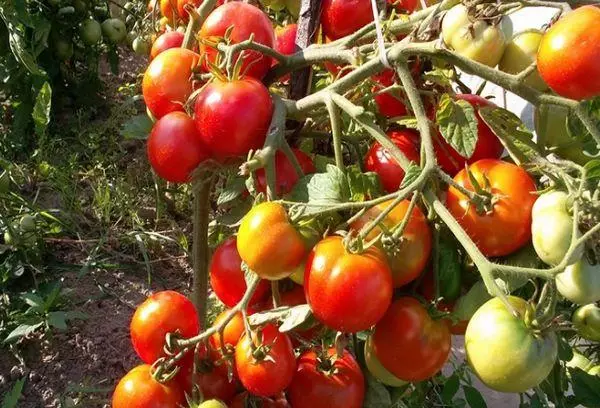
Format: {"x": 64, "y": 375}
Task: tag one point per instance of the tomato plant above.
{"x": 285, "y": 173}
{"x": 170, "y": 39}
{"x": 586, "y": 320}
{"x": 137, "y": 389}
{"x": 340, "y": 18}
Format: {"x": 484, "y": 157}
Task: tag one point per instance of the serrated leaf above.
{"x": 138, "y": 127}
{"x": 592, "y": 174}
{"x": 363, "y": 186}
{"x": 449, "y": 270}
{"x": 41, "y": 109}
{"x": 22, "y": 331}
{"x": 11, "y": 399}
{"x": 585, "y": 387}
{"x": 577, "y": 129}
{"x": 439, "y": 76}
{"x": 233, "y": 189}
{"x": 322, "y": 189}
{"x": 410, "y": 175}
{"x": 58, "y": 320}
{"x": 450, "y": 389}
{"x": 474, "y": 397}
{"x": 289, "y": 317}
{"x": 376, "y": 395}
{"x": 565, "y": 351}
{"x": 458, "y": 124}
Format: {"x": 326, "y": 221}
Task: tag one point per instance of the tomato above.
{"x": 340, "y": 18}
{"x": 380, "y": 161}
{"x": 285, "y": 173}
{"x": 268, "y": 243}
{"x": 233, "y": 117}
{"x": 245, "y": 400}
{"x": 520, "y": 53}
{"x": 170, "y": 39}
{"x": 215, "y": 384}
{"x": 505, "y": 353}
{"x": 163, "y": 312}
{"x": 408, "y": 343}
{"x": 270, "y": 373}
{"x": 377, "y": 370}
{"x": 183, "y": 14}
{"x": 137, "y": 389}
{"x": 569, "y": 55}
{"x": 477, "y": 40}
{"x": 166, "y": 85}
{"x": 389, "y": 104}
{"x": 140, "y": 46}
{"x": 247, "y": 20}
{"x": 63, "y": 49}
{"x": 338, "y": 284}
{"x": 409, "y": 258}
{"x": 234, "y": 330}
{"x": 403, "y": 6}
{"x": 227, "y": 278}
{"x": 285, "y": 39}
{"x": 213, "y": 403}
{"x": 580, "y": 282}
{"x": 552, "y": 227}
{"x": 114, "y": 30}
{"x": 507, "y": 226}
{"x": 586, "y": 320}
{"x": 335, "y": 382}
{"x": 488, "y": 146}
{"x": 90, "y": 31}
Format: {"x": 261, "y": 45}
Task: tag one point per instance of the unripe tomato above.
{"x": 114, "y": 30}
{"x": 162, "y": 313}
{"x": 586, "y": 320}
{"x": 227, "y": 278}
{"x": 246, "y": 20}
{"x": 340, "y": 18}
{"x": 137, "y": 389}
{"x": 507, "y": 226}
{"x": 580, "y": 282}
{"x": 170, "y": 39}
{"x": 166, "y": 85}
{"x": 380, "y": 161}
{"x": 409, "y": 258}
{"x": 520, "y": 53}
{"x": 569, "y": 55}
{"x": 233, "y": 117}
{"x": 268, "y": 243}
{"x": 474, "y": 39}
{"x": 408, "y": 343}
{"x": 27, "y": 223}
{"x": 377, "y": 370}
{"x": 338, "y": 284}
{"x": 285, "y": 173}
{"x": 90, "y": 31}
{"x": 63, "y": 49}
{"x": 506, "y": 354}
{"x": 140, "y": 46}
{"x": 213, "y": 403}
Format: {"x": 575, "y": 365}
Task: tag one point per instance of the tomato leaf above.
{"x": 22, "y": 331}
{"x": 58, "y": 320}
{"x": 41, "y": 109}
{"x": 458, "y": 124}
{"x": 322, "y": 189}
{"x": 362, "y": 185}
{"x": 592, "y": 171}
{"x": 474, "y": 397}
{"x": 565, "y": 351}
{"x": 586, "y": 388}
{"x": 376, "y": 395}
{"x": 577, "y": 129}
{"x": 11, "y": 398}
{"x": 466, "y": 305}
{"x": 450, "y": 388}
{"x": 449, "y": 269}
{"x": 289, "y": 317}
{"x": 411, "y": 175}
{"x": 138, "y": 127}
{"x": 234, "y": 186}
{"x": 409, "y": 122}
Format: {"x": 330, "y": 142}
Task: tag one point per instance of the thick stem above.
{"x": 200, "y": 251}
{"x": 336, "y": 131}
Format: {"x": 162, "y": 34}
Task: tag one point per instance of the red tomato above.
{"x": 139, "y": 390}
{"x": 183, "y": 14}
{"x": 387, "y": 103}
{"x": 175, "y": 148}
{"x": 168, "y": 11}
{"x": 246, "y": 20}
{"x": 380, "y": 161}
{"x": 162, "y": 313}
{"x": 245, "y": 400}
{"x": 340, "y": 18}
{"x": 171, "y": 39}
{"x": 403, "y": 6}
{"x": 227, "y": 278}
{"x": 215, "y": 385}
{"x": 285, "y": 174}
{"x": 285, "y": 39}
{"x": 267, "y": 376}
{"x": 568, "y": 58}
{"x": 507, "y": 227}
{"x": 335, "y": 383}
{"x": 231, "y": 336}
{"x": 408, "y": 343}
{"x": 338, "y": 284}
{"x": 167, "y": 82}
{"x": 233, "y": 117}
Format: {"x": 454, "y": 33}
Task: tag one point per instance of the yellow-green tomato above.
{"x": 90, "y": 31}
{"x": 520, "y": 53}
{"x": 377, "y": 370}
{"x": 213, "y": 403}
{"x": 505, "y": 353}
{"x": 474, "y": 39}
{"x": 579, "y": 361}
{"x": 114, "y": 30}
{"x": 140, "y": 46}
{"x": 586, "y": 320}
{"x": 580, "y": 282}
{"x": 27, "y": 223}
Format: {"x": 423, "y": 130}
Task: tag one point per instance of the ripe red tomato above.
{"x": 246, "y": 20}
{"x": 507, "y": 227}
{"x": 338, "y": 382}
{"x": 168, "y": 11}
{"x": 267, "y": 376}
{"x": 403, "y": 6}
{"x": 338, "y": 284}
{"x": 409, "y": 343}
{"x": 137, "y": 389}
{"x": 340, "y": 18}
{"x": 163, "y": 312}
{"x": 285, "y": 174}
{"x": 175, "y": 148}
{"x": 167, "y": 81}
{"x": 568, "y": 58}
{"x": 227, "y": 278}
{"x": 245, "y": 400}
{"x": 285, "y": 39}
{"x": 380, "y": 161}
{"x": 488, "y": 146}
{"x": 233, "y": 117}
{"x": 170, "y": 39}
{"x": 387, "y": 103}
{"x": 214, "y": 384}
{"x": 231, "y": 336}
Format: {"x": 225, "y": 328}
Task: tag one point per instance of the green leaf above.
{"x": 579, "y": 132}
{"x": 289, "y": 317}
{"x": 376, "y": 395}
{"x": 233, "y": 189}
{"x": 458, "y": 124}
{"x": 411, "y": 175}
{"x": 449, "y": 269}
{"x": 16, "y": 38}
{"x": 138, "y": 127}
{"x": 322, "y": 189}
{"x": 565, "y": 351}
{"x": 22, "y": 331}
{"x": 450, "y": 389}
{"x": 11, "y": 398}
{"x": 41, "y": 109}
{"x": 511, "y": 131}
{"x": 363, "y": 186}
{"x": 58, "y": 320}
{"x": 592, "y": 171}
{"x": 33, "y": 300}
{"x": 409, "y": 122}
{"x": 474, "y": 397}
{"x": 585, "y": 387}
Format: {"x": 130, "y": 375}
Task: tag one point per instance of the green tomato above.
{"x": 63, "y": 49}
{"x": 81, "y": 6}
{"x": 477, "y": 40}
{"x": 27, "y": 223}
{"x": 520, "y": 53}
{"x": 466, "y": 305}
{"x": 580, "y": 282}
{"x": 90, "y": 31}
{"x": 4, "y": 182}
{"x": 505, "y": 353}
{"x": 594, "y": 371}
{"x": 213, "y": 403}
{"x": 141, "y": 46}
{"x": 586, "y": 320}
{"x": 552, "y": 227}
{"x": 293, "y": 7}
{"x": 114, "y": 30}
{"x": 579, "y": 361}
{"x": 377, "y": 369}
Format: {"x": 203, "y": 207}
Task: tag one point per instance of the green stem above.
{"x": 336, "y": 131}
{"x": 399, "y": 229}
{"x": 200, "y": 251}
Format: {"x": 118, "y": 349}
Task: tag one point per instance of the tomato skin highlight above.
{"x": 168, "y": 40}
{"x": 285, "y": 173}
{"x": 408, "y": 343}
{"x": 137, "y": 389}
{"x": 313, "y": 388}
{"x": 338, "y": 283}
{"x": 568, "y": 58}
{"x": 340, "y": 18}
{"x": 227, "y": 278}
